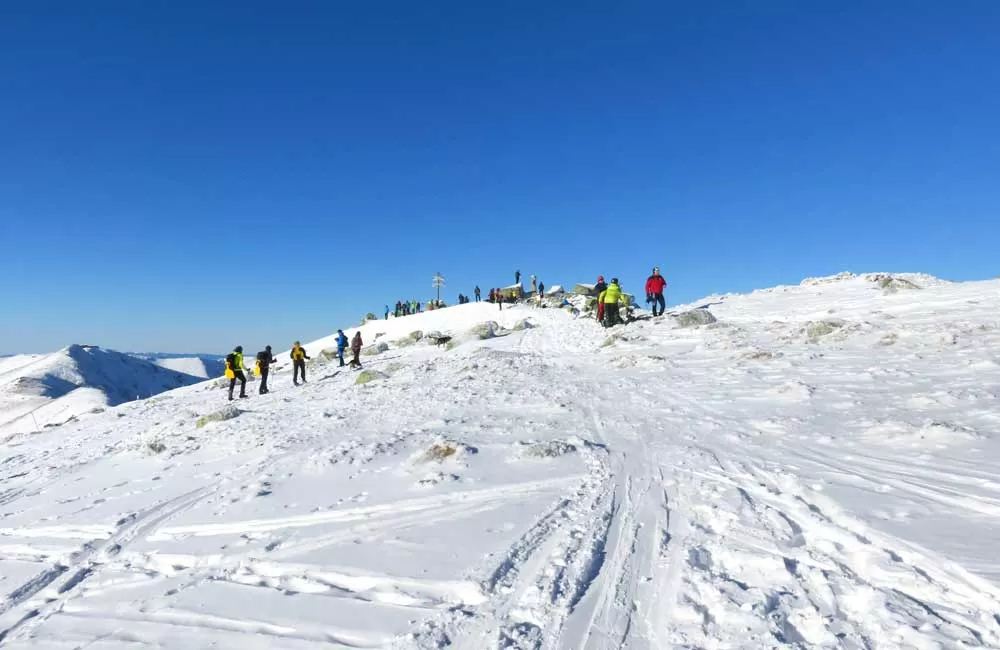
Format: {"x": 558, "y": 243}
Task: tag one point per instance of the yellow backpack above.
{"x": 256, "y": 370}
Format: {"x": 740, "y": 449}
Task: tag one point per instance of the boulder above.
{"x": 366, "y": 376}
{"x": 376, "y": 348}
{"x": 816, "y": 330}
{"x": 694, "y": 318}
{"x": 523, "y": 324}
{"x": 484, "y": 331}
{"x": 221, "y": 415}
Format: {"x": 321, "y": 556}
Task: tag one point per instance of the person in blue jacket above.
{"x": 341, "y": 345}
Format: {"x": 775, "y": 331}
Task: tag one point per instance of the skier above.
{"x": 599, "y": 289}
{"x": 655, "y": 285}
{"x": 341, "y": 346}
{"x": 611, "y": 297}
{"x": 299, "y": 357}
{"x": 235, "y": 370}
{"x": 476, "y": 292}
{"x": 356, "y": 344}
{"x": 264, "y": 361}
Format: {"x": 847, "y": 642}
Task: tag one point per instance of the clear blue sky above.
{"x": 186, "y": 176}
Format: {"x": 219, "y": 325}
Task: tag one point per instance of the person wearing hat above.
{"x": 655, "y": 285}
{"x": 299, "y": 357}
{"x": 611, "y": 297}
{"x": 341, "y": 346}
{"x": 600, "y": 288}
{"x": 264, "y": 361}
{"x": 235, "y": 370}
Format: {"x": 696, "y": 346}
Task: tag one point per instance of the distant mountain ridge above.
{"x": 39, "y": 390}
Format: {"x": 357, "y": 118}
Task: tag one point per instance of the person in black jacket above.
{"x": 264, "y": 361}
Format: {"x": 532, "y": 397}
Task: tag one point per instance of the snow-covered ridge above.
{"x": 815, "y": 469}
{"x": 37, "y": 391}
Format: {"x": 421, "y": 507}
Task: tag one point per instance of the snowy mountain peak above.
{"x": 41, "y": 390}
{"x": 812, "y": 467}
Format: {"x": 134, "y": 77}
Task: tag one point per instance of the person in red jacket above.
{"x": 655, "y": 285}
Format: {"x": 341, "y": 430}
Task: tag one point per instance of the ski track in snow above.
{"x": 759, "y": 483}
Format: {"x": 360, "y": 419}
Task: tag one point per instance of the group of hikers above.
{"x": 407, "y": 307}
{"x": 236, "y": 370}
{"x": 610, "y": 299}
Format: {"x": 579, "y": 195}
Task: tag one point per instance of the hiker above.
{"x": 599, "y": 289}
{"x": 387, "y": 312}
{"x": 492, "y": 296}
{"x": 264, "y": 361}
{"x": 517, "y": 277}
{"x": 500, "y": 299}
{"x": 611, "y": 297}
{"x": 476, "y": 293}
{"x": 541, "y": 289}
{"x": 299, "y": 357}
{"x": 356, "y": 344}
{"x": 341, "y": 346}
{"x": 655, "y": 285}
{"x": 235, "y": 370}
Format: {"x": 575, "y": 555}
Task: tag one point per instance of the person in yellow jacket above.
{"x": 611, "y": 298}
{"x": 299, "y": 357}
{"x": 235, "y": 370}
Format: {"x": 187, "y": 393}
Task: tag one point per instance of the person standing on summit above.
{"x": 611, "y": 297}
{"x": 478, "y": 298}
{"x": 517, "y": 277}
{"x": 655, "y": 285}
{"x": 299, "y": 357}
{"x": 599, "y": 289}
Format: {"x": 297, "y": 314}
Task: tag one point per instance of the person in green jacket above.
{"x": 235, "y": 370}
{"x": 611, "y": 298}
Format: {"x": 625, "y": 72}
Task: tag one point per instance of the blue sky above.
{"x": 186, "y": 176}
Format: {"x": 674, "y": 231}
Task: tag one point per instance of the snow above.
{"x": 817, "y": 469}
{"x": 40, "y": 391}
{"x": 201, "y": 367}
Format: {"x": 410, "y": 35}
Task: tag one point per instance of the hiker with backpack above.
{"x": 341, "y": 346}
{"x": 655, "y": 285}
{"x": 235, "y": 370}
{"x": 263, "y": 368}
{"x": 611, "y": 297}
{"x": 356, "y": 344}
{"x": 299, "y": 357}
{"x": 476, "y": 292}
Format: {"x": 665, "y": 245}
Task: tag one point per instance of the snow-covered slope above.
{"x": 201, "y": 367}
{"x": 204, "y": 366}
{"x": 38, "y": 391}
{"x": 818, "y": 469}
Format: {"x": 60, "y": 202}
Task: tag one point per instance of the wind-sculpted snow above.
{"x": 762, "y": 481}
